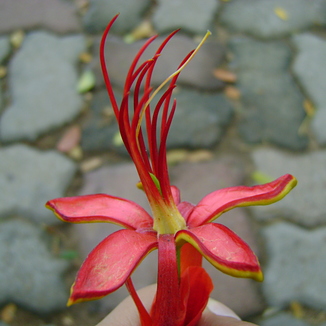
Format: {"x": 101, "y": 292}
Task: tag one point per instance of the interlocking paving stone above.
{"x": 271, "y": 106}
{"x": 296, "y": 265}
{"x": 30, "y": 275}
{"x": 309, "y": 67}
{"x": 42, "y": 81}
{"x": 102, "y": 11}
{"x": 197, "y": 15}
{"x": 273, "y": 18}
{"x": 56, "y": 15}
{"x": 30, "y": 178}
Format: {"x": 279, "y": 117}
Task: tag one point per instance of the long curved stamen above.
{"x": 208, "y": 33}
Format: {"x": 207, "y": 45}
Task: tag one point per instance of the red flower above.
{"x": 181, "y": 232}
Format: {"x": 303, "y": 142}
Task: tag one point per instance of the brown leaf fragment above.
{"x": 70, "y": 139}
{"x": 232, "y": 93}
{"x": 225, "y": 75}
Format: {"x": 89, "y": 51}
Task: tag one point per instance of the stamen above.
{"x": 208, "y": 33}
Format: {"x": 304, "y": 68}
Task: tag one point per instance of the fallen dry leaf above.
{"x": 281, "y": 13}
{"x": 232, "y": 93}
{"x": 85, "y": 57}
{"x": 91, "y": 164}
{"x": 309, "y": 108}
{"x": 8, "y": 312}
{"x": 3, "y": 71}
{"x": 225, "y": 75}
{"x": 201, "y": 155}
{"x": 70, "y": 139}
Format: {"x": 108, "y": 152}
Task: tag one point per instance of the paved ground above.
{"x": 251, "y": 107}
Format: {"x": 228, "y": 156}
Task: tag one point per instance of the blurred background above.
{"x": 251, "y": 107}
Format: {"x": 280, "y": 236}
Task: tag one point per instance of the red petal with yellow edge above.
{"x": 195, "y": 288}
{"x": 223, "y": 249}
{"x": 220, "y": 201}
{"x": 189, "y": 256}
{"x": 101, "y": 208}
{"x": 110, "y": 264}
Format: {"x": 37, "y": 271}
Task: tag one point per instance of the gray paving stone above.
{"x": 309, "y": 67}
{"x": 240, "y": 294}
{"x": 273, "y": 18}
{"x": 30, "y": 275}
{"x": 42, "y": 81}
{"x": 99, "y": 129}
{"x": 30, "y": 178}
{"x": 4, "y": 47}
{"x": 102, "y": 11}
{"x": 306, "y": 202}
{"x": 295, "y": 269}
{"x": 198, "y": 73}
{"x": 197, "y": 15}
{"x": 56, "y": 15}
{"x": 272, "y": 108}
{"x": 199, "y": 120}
{"x": 283, "y": 319}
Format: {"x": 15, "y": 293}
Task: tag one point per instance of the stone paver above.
{"x": 294, "y": 271}
{"x": 101, "y": 12}
{"x": 306, "y": 203}
{"x": 55, "y": 15}
{"x": 101, "y": 127}
{"x": 30, "y": 275}
{"x": 273, "y": 18}
{"x": 311, "y": 53}
{"x": 197, "y": 15}
{"x": 199, "y": 119}
{"x": 29, "y": 178}
{"x": 42, "y": 80}
{"x": 272, "y": 103}
{"x": 199, "y": 72}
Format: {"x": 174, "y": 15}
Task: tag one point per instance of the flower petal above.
{"x": 185, "y": 208}
{"x": 101, "y": 208}
{"x": 175, "y": 194}
{"x": 110, "y": 264}
{"x": 195, "y": 288}
{"x": 223, "y": 249}
{"x": 220, "y": 201}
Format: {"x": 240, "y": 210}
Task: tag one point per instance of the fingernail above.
{"x": 220, "y": 309}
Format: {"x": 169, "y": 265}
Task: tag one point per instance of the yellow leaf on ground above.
{"x": 281, "y": 13}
